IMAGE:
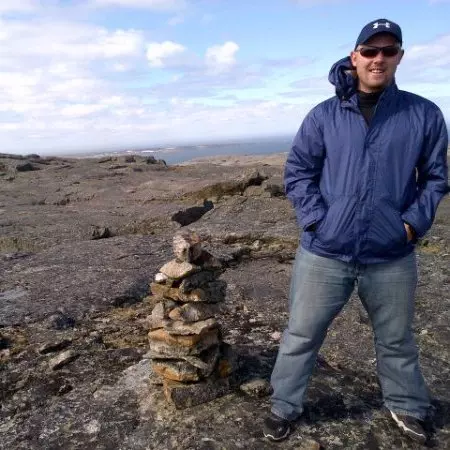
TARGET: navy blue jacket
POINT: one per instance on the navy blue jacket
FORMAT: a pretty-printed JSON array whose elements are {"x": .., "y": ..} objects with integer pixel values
[{"x": 359, "y": 184}]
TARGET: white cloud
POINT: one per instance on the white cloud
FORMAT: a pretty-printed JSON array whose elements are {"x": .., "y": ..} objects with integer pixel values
[
  {"x": 159, "y": 52},
  {"x": 432, "y": 54},
  {"x": 80, "y": 109},
  {"x": 26, "y": 41},
  {"x": 158, "y": 5},
  {"x": 18, "y": 6},
  {"x": 219, "y": 58},
  {"x": 175, "y": 20}
]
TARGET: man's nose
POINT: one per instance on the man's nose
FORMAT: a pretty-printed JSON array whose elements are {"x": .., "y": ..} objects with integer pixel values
[{"x": 379, "y": 57}]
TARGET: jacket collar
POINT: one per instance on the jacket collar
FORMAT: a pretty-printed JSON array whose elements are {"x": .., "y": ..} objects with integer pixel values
[{"x": 342, "y": 76}]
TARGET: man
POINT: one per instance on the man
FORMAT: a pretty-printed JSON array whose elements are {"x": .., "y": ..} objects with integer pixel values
[{"x": 365, "y": 174}]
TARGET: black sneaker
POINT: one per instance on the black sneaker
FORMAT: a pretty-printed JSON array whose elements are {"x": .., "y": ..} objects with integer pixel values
[
  {"x": 276, "y": 428},
  {"x": 410, "y": 426}
]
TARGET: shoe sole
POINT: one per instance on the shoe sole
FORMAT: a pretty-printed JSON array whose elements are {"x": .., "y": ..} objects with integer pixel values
[
  {"x": 411, "y": 433},
  {"x": 276, "y": 439}
]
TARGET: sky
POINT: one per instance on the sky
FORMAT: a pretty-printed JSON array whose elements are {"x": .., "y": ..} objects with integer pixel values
[{"x": 81, "y": 75}]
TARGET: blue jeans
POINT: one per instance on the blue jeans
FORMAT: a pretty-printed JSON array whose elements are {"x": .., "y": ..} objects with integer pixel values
[{"x": 320, "y": 287}]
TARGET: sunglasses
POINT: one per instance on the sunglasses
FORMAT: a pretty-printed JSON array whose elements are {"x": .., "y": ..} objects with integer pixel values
[{"x": 371, "y": 52}]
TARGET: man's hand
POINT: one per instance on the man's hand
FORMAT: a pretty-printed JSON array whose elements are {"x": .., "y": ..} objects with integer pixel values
[{"x": 409, "y": 232}]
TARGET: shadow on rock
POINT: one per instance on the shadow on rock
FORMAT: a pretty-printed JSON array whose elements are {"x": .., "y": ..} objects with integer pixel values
[{"x": 191, "y": 215}]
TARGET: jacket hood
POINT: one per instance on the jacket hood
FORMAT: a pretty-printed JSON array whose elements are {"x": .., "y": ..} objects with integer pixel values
[{"x": 342, "y": 77}]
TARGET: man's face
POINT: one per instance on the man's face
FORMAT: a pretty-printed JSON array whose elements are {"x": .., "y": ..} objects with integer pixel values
[{"x": 375, "y": 74}]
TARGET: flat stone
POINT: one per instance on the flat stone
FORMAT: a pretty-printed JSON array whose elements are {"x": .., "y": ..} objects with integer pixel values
[
  {"x": 62, "y": 359},
  {"x": 197, "y": 295},
  {"x": 162, "y": 335},
  {"x": 206, "y": 361},
  {"x": 193, "y": 312},
  {"x": 163, "y": 291},
  {"x": 256, "y": 388},
  {"x": 176, "y": 370},
  {"x": 187, "y": 395},
  {"x": 177, "y": 270},
  {"x": 197, "y": 280},
  {"x": 155, "y": 324},
  {"x": 54, "y": 346},
  {"x": 162, "y": 309},
  {"x": 208, "y": 261},
  {"x": 186, "y": 246},
  {"x": 195, "y": 328},
  {"x": 159, "y": 317},
  {"x": 214, "y": 292},
  {"x": 162, "y": 350}
]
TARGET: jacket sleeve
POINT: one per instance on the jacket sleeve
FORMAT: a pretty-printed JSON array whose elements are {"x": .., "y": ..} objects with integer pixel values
[
  {"x": 302, "y": 173},
  {"x": 432, "y": 177}
]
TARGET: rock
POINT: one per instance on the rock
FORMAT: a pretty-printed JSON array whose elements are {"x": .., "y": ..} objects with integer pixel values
[
  {"x": 163, "y": 350},
  {"x": 162, "y": 309},
  {"x": 256, "y": 388},
  {"x": 100, "y": 232},
  {"x": 188, "y": 395},
  {"x": 208, "y": 262},
  {"x": 161, "y": 278},
  {"x": 62, "y": 359},
  {"x": 56, "y": 346},
  {"x": 162, "y": 335},
  {"x": 176, "y": 370},
  {"x": 309, "y": 444},
  {"x": 186, "y": 246},
  {"x": 214, "y": 292},
  {"x": 253, "y": 191},
  {"x": 4, "y": 342},
  {"x": 60, "y": 321},
  {"x": 197, "y": 295},
  {"x": 163, "y": 291},
  {"x": 206, "y": 361},
  {"x": 193, "y": 312},
  {"x": 276, "y": 335},
  {"x": 155, "y": 324},
  {"x": 174, "y": 269},
  {"x": 26, "y": 167},
  {"x": 194, "y": 328},
  {"x": 196, "y": 281}
]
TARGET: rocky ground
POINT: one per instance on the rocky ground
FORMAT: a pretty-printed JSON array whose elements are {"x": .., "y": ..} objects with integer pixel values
[{"x": 80, "y": 240}]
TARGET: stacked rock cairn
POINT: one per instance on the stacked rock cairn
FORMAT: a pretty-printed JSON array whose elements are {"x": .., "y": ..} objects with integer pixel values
[{"x": 185, "y": 337}]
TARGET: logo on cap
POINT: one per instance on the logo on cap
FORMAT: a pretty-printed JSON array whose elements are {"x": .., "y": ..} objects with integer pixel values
[{"x": 381, "y": 24}]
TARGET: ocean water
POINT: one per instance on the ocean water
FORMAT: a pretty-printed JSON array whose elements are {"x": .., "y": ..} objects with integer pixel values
[{"x": 183, "y": 153}]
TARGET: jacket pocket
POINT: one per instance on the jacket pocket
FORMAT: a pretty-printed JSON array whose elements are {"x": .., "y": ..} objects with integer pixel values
[
  {"x": 387, "y": 232},
  {"x": 335, "y": 233}
]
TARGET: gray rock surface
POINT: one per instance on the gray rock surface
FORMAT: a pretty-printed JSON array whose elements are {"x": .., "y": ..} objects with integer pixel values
[{"x": 57, "y": 285}]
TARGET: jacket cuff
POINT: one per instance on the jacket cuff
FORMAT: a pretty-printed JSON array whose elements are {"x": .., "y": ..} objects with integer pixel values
[{"x": 414, "y": 221}]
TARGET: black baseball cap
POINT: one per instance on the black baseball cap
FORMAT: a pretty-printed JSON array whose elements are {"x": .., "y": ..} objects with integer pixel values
[{"x": 379, "y": 26}]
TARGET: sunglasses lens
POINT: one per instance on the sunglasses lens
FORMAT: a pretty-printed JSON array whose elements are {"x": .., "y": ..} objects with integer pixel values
[
  {"x": 369, "y": 52},
  {"x": 390, "y": 51},
  {"x": 372, "y": 52}
]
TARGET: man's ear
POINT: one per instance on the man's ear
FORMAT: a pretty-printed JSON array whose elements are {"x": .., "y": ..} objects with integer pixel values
[
  {"x": 353, "y": 56},
  {"x": 402, "y": 53}
]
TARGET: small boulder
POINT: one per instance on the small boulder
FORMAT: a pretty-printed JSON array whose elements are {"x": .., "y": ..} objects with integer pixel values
[{"x": 257, "y": 387}]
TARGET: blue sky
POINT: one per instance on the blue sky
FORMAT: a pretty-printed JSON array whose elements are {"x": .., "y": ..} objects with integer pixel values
[{"x": 78, "y": 75}]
